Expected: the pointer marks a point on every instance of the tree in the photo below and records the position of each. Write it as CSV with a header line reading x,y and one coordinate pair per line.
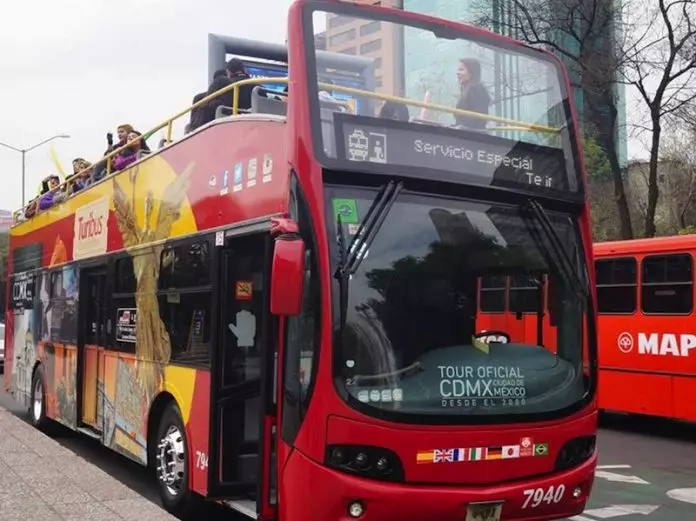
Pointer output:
x,y
581,33
661,65
602,202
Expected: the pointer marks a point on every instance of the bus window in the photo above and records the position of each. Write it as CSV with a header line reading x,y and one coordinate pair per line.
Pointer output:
x,y
524,293
185,265
667,284
492,294
617,283
186,314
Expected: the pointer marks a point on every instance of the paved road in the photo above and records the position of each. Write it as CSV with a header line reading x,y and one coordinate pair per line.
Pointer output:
x,y
641,462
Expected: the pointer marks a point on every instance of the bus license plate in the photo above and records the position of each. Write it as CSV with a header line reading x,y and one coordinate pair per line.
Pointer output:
x,y
484,512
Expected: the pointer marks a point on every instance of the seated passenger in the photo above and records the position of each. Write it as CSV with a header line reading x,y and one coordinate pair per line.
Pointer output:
x,y
473,96
394,110
199,115
130,155
51,193
81,176
235,72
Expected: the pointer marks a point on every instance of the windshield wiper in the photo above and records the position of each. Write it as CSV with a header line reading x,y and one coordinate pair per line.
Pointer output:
x,y
369,228
351,257
556,252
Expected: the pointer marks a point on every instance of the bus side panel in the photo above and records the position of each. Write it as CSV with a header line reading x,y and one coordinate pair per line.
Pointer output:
x,y
197,432
635,393
191,389
59,362
640,360
684,390
9,349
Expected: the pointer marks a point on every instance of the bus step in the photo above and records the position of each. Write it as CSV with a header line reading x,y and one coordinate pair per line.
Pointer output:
x,y
245,507
90,432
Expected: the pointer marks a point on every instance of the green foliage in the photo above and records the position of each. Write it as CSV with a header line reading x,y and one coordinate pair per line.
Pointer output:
x,y
596,161
689,230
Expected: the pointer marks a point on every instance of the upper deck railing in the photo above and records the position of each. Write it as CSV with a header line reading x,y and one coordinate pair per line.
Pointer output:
x,y
509,125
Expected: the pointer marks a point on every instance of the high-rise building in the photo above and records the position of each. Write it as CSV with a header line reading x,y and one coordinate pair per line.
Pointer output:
x,y
349,35
467,11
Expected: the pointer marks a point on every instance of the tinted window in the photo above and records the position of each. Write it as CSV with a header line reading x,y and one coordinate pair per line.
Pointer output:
x,y
343,37
492,294
524,293
617,281
187,319
667,284
125,281
374,45
369,28
185,265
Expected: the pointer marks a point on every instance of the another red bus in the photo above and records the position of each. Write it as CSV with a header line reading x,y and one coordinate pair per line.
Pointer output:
x,y
281,310
645,302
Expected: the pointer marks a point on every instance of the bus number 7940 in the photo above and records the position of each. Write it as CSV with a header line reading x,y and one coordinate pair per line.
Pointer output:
x,y
537,496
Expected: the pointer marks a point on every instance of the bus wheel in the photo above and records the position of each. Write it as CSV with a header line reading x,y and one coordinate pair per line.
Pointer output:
x,y
37,404
172,462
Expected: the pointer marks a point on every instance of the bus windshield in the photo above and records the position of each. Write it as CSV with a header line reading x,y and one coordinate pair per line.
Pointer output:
x,y
387,91
409,315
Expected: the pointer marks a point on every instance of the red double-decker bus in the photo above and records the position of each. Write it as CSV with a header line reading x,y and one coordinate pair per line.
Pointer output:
x,y
645,305
284,310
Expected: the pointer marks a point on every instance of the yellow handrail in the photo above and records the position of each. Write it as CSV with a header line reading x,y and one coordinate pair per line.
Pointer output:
x,y
439,108
168,123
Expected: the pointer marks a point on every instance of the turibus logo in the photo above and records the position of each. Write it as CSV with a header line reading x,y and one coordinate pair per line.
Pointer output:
x,y
660,344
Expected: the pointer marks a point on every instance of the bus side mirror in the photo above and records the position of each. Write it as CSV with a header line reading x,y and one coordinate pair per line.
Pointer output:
x,y
287,275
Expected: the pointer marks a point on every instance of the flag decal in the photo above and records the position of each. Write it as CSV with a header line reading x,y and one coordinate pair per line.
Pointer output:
x,y
526,448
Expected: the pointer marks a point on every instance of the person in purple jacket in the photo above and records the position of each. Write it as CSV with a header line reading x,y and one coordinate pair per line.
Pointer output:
x,y
130,155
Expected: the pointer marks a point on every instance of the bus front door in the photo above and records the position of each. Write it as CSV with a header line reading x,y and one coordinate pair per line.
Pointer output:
x,y
91,342
243,371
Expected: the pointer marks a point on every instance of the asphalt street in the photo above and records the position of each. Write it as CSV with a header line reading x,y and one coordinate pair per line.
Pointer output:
x,y
647,469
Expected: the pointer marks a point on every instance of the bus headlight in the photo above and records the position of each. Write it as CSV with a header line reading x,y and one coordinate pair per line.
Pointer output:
x,y
575,451
365,461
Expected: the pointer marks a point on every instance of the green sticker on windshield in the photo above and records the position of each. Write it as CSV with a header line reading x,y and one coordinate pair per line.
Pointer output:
x,y
347,209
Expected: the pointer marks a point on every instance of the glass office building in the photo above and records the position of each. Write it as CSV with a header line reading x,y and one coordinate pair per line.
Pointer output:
x,y
430,66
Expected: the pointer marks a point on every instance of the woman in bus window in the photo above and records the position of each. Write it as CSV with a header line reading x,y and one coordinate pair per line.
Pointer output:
x,y
473,96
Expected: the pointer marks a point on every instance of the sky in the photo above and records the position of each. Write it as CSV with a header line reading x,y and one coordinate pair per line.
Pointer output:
x,y
83,67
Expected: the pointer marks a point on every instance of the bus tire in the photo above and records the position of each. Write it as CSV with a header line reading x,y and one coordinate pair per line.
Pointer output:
x,y
37,402
172,464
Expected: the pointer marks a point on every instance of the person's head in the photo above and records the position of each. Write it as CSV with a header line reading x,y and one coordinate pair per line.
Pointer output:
x,y
394,110
53,182
80,164
140,145
123,131
469,70
235,67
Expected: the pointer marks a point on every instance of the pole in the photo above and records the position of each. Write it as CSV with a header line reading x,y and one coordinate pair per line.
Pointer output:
x,y
24,172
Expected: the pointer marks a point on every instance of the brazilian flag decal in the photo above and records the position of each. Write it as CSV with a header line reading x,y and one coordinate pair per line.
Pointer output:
x,y
541,449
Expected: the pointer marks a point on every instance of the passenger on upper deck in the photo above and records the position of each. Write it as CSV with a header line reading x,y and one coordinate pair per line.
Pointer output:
x,y
50,194
199,115
130,155
473,95
235,72
78,182
394,110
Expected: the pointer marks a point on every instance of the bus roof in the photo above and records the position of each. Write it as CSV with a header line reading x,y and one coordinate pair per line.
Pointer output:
x,y
641,246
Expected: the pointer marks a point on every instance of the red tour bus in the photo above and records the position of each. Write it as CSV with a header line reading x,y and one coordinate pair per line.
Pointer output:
x,y
281,310
645,303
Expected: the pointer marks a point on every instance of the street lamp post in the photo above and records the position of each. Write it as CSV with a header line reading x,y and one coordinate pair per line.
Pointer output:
x,y
24,151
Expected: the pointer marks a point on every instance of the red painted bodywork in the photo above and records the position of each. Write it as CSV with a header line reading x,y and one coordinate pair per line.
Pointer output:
x,y
307,489
434,497
666,381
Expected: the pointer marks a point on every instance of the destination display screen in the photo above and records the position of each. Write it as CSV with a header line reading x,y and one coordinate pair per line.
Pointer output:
x,y
466,156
